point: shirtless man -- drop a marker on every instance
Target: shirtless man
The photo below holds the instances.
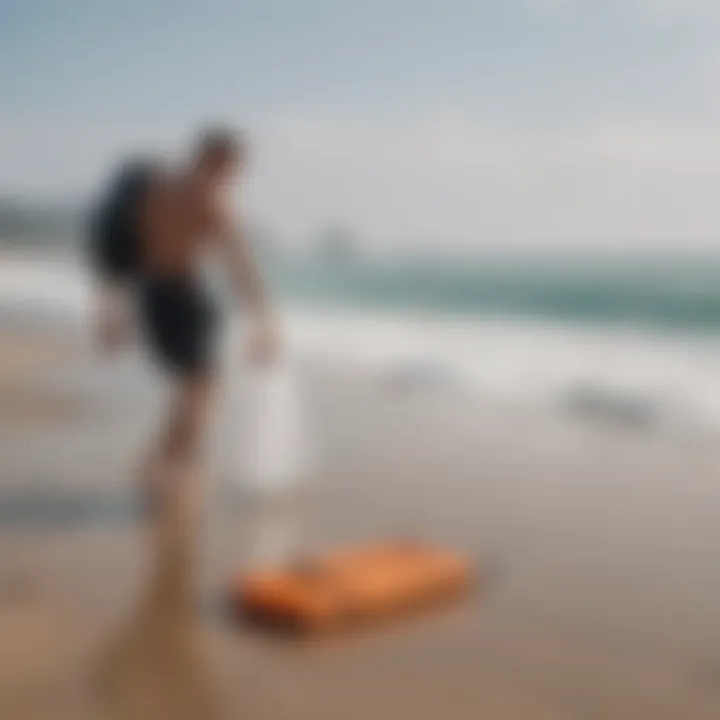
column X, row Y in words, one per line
column 183, row 216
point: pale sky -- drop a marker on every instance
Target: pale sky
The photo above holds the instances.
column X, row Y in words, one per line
column 473, row 123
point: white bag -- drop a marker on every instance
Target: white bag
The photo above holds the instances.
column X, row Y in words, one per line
column 273, row 453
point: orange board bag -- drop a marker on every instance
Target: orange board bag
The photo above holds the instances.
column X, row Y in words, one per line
column 351, row 586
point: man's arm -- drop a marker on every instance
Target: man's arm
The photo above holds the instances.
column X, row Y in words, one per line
column 112, row 321
column 250, row 286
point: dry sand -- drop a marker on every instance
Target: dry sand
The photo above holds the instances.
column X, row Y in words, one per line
column 599, row 549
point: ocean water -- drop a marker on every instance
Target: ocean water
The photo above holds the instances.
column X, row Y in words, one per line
column 661, row 292
column 625, row 340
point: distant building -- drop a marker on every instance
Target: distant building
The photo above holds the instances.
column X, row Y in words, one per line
column 338, row 246
column 262, row 240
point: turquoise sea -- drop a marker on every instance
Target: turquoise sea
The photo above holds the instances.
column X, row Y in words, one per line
column 658, row 291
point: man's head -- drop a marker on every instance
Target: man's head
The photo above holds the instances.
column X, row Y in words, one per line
column 219, row 154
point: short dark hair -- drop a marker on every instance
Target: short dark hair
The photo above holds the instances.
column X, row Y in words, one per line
column 219, row 143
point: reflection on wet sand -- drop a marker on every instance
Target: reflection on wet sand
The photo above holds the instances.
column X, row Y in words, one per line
column 157, row 668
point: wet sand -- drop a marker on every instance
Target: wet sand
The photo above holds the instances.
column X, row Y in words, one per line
column 598, row 549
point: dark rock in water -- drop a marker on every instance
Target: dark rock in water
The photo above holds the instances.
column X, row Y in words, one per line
column 611, row 406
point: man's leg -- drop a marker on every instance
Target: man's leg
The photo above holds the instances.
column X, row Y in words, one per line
column 175, row 463
column 188, row 420
column 156, row 668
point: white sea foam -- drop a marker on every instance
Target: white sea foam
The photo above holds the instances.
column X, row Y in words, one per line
column 675, row 380
column 46, row 287
column 531, row 361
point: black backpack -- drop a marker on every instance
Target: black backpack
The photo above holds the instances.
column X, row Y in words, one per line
column 115, row 242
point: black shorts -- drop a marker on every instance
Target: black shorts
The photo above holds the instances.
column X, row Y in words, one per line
column 180, row 323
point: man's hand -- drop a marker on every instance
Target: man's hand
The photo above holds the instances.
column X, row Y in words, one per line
column 263, row 344
column 112, row 334
column 112, row 326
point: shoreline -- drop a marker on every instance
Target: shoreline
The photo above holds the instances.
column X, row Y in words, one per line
column 617, row 377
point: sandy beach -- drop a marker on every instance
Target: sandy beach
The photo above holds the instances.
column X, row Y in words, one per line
column 597, row 548
column 484, row 239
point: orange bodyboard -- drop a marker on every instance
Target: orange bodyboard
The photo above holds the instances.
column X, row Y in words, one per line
column 350, row 586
